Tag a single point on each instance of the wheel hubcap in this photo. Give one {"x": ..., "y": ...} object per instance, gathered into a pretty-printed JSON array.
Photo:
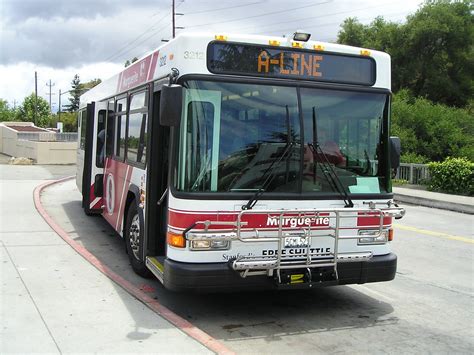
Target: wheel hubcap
[{"x": 134, "y": 236}]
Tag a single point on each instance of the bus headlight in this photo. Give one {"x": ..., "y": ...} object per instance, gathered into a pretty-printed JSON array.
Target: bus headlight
[
  {"x": 371, "y": 236},
  {"x": 210, "y": 244}
]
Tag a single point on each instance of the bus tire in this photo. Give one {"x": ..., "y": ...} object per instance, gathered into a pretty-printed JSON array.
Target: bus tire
[{"x": 134, "y": 229}]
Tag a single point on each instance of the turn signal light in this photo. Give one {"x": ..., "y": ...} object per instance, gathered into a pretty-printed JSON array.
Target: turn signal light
[
  {"x": 175, "y": 240},
  {"x": 390, "y": 234}
]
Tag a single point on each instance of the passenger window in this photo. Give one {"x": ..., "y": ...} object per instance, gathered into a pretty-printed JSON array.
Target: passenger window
[
  {"x": 137, "y": 127},
  {"x": 83, "y": 124},
  {"x": 100, "y": 140},
  {"x": 121, "y": 124},
  {"x": 110, "y": 139}
]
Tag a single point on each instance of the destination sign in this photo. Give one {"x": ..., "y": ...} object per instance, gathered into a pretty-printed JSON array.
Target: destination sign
[{"x": 276, "y": 62}]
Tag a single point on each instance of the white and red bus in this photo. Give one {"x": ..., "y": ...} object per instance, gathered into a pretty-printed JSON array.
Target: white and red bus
[{"x": 229, "y": 162}]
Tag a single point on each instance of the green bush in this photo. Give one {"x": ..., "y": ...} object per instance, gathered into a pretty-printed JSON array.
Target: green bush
[
  {"x": 431, "y": 130},
  {"x": 399, "y": 182},
  {"x": 454, "y": 175},
  {"x": 413, "y": 158}
]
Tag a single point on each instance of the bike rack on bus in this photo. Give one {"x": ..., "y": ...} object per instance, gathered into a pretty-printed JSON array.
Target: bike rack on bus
[{"x": 271, "y": 265}]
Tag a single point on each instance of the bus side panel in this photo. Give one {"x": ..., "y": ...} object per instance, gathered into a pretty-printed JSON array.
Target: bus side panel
[{"x": 116, "y": 185}]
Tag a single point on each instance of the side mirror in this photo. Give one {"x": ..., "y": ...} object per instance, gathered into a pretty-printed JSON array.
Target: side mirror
[
  {"x": 171, "y": 102},
  {"x": 395, "y": 151}
]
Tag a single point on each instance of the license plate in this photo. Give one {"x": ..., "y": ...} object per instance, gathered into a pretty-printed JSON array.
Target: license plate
[{"x": 296, "y": 242}]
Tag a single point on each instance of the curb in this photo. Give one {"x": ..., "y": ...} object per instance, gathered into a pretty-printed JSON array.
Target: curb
[
  {"x": 426, "y": 202},
  {"x": 185, "y": 326}
]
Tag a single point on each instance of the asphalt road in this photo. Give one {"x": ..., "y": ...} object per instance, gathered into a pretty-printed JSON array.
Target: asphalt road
[{"x": 429, "y": 307}]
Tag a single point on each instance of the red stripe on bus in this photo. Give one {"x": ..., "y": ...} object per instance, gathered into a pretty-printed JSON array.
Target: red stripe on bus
[
  {"x": 154, "y": 60},
  {"x": 182, "y": 220}
]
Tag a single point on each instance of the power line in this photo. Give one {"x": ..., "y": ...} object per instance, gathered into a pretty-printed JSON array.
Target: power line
[
  {"x": 117, "y": 53},
  {"x": 392, "y": 14},
  {"x": 125, "y": 48},
  {"x": 224, "y": 8},
  {"x": 144, "y": 40},
  {"x": 320, "y": 16},
  {"x": 255, "y": 16}
]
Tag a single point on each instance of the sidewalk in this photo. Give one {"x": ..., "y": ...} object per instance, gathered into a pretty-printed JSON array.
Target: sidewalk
[
  {"x": 464, "y": 204},
  {"x": 54, "y": 301}
]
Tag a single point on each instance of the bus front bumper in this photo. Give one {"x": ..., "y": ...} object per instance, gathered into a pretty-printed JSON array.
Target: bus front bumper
[{"x": 218, "y": 277}]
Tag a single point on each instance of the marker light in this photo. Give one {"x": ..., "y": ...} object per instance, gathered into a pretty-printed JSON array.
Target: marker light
[
  {"x": 273, "y": 42},
  {"x": 297, "y": 44},
  {"x": 318, "y": 47},
  {"x": 210, "y": 244},
  {"x": 175, "y": 240},
  {"x": 365, "y": 52},
  {"x": 372, "y": 236},
  {"x": 220, "y": 38},
  {"x": 390, "y": 234},
  {"x": 301, "y": 36}
]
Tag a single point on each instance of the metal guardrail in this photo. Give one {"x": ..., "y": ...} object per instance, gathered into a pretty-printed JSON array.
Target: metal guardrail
[
  {"x": 47, "y": 136},
  {"x": 415, "y": 174}
]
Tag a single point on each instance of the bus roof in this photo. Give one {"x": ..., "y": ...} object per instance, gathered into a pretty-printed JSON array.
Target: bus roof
[{"x": 188, "y": 53}]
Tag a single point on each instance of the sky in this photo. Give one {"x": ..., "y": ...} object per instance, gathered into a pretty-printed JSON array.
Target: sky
[{"x": 94, "y": 38}]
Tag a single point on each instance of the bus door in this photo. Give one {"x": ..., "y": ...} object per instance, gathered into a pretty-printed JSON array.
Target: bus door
[
  {"x": 157, "y": 181},
  {"x": 91, "y": 156},
  {"x": 201, "y": 108}
]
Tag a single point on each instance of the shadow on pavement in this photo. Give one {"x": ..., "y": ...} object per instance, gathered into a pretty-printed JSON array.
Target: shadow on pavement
[{"x": 269, "y": 316}]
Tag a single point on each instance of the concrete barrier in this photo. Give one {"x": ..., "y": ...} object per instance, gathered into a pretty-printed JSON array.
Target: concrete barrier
[{"x": 49, "y": 152}]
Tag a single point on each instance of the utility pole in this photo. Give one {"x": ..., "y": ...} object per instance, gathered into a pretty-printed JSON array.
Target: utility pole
[
  {"x": 59, "y": 108},
  {"x": 173, "y": 19},
  {"x": 36, "y": 98},
  {"x": 50, "y": 85}
]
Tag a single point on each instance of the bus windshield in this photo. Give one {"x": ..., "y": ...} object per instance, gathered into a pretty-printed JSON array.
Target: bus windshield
[{"x": 237, "y": 137}]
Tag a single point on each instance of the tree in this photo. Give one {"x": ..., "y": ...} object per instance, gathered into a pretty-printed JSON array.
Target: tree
[
  {"x": 75, "y": 94},
  {"x": 6, "y": 113},
  {"x": 90, "y": 84},
  {"x": 26, "y": 112},
  {"x": 440, "y": 52},
  {"x": 352, "y": 32},
  {"x": 429, "y": 131},
  {"x": 432, "y": 53},
  {"x": 69, "y": 120},
  {"x": 129, "y": 62}
]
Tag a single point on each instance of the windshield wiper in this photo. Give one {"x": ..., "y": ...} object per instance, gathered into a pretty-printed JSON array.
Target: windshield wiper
[
  {"x": 270, "y": 176},
  {"x": 328, "y": 169},
  {"x": 254, "y": 199}
]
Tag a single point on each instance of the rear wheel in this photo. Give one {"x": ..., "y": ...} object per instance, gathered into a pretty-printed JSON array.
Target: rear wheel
[{"x": 134, "y": 240}]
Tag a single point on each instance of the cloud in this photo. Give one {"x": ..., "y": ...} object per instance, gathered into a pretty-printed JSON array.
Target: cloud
[
  {"x": 18, "y": 79},
  {"x": 60, "y": 42},
  {"x": 62, "y": 37},
  {"x": 22, "y": 10}
]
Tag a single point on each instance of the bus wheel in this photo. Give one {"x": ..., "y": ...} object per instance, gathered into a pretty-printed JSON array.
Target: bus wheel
[{"x": 134, "y": 240}]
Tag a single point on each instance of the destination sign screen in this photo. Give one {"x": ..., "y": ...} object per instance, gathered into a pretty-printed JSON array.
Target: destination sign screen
[{"x": 276, "y": 62}]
